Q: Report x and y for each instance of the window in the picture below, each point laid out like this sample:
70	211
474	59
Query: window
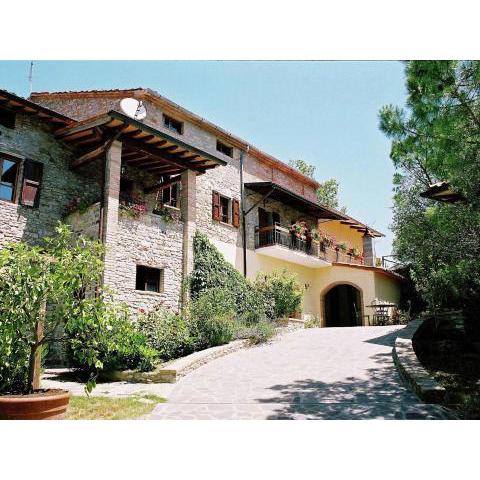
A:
7	118
224	209
8	178
225	149
170	195
173	124
149	279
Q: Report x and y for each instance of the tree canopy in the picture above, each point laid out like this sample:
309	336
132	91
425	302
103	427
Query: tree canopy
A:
436	137
327	193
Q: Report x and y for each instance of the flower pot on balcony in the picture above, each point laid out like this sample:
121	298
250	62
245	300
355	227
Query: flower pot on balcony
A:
48	404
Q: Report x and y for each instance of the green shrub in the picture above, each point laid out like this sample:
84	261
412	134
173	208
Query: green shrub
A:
105	331
251	306
212	271
312	322
260	332
212	318
281	289
167	332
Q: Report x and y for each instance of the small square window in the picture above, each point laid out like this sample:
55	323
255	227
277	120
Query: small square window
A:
225	149
173	124
224	209
7	118
149	279
8	179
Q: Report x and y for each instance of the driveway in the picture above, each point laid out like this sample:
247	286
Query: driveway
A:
328	373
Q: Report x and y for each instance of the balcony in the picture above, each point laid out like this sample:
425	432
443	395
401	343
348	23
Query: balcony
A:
278	242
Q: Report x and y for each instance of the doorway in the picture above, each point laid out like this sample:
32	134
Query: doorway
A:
343	307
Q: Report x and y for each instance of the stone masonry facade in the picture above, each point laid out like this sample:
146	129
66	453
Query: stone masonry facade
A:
33	139
148	240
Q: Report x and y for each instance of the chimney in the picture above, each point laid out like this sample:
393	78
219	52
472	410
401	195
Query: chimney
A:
368	249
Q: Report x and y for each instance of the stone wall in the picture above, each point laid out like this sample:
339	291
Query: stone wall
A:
225	180
152	242
34	139
85	223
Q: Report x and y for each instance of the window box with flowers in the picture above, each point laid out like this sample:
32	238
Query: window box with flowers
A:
132	206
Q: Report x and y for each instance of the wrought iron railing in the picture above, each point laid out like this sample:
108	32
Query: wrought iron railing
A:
278	235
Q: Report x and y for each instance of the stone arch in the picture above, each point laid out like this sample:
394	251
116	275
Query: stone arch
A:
325	291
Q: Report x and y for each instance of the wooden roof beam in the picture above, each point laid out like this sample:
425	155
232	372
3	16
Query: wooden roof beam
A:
89	156
157	152
161	186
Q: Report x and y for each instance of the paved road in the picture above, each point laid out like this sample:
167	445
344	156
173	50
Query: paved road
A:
329	373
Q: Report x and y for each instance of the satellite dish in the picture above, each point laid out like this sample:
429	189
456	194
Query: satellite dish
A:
133	108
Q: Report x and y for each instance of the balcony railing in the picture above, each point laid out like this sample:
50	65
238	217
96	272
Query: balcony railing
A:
278	235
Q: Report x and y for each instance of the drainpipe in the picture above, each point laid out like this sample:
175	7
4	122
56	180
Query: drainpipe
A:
242	207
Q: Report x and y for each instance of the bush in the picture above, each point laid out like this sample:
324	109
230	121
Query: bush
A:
212	271
212	318
261	332
251	305
167	332
106	332
280	289
312	322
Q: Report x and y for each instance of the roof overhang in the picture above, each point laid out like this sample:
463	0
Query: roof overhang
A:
442	192
277	192
182	113
143	146
21	105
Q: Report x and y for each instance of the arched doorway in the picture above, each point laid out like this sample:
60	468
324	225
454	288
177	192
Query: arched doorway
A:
343	306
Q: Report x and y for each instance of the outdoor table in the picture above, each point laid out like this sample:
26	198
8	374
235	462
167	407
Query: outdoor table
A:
380	315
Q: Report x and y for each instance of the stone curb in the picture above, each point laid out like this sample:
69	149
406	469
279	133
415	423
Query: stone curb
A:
172	371
410	368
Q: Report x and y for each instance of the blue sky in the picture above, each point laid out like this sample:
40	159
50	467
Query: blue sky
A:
323	112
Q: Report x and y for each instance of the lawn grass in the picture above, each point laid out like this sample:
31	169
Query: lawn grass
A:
112	408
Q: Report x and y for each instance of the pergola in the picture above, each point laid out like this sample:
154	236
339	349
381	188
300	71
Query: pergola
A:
143	146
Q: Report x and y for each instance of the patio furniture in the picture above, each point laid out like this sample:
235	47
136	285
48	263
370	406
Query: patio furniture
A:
381	314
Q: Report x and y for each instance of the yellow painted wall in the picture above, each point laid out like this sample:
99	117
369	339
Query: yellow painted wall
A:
372	285
386	289
342	232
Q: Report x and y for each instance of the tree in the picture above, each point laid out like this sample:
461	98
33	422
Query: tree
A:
437	137
327	194
41	288
303	167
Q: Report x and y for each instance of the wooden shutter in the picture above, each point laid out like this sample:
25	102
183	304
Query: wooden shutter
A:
32	182
235	213
216	206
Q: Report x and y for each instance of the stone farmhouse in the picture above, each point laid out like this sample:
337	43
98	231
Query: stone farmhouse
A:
145	187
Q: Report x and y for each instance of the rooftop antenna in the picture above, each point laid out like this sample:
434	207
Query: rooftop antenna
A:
30	78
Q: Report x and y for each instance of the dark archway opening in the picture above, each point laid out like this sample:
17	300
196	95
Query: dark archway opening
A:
343	307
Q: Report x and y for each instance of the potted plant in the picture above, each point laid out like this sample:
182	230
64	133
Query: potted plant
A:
41	289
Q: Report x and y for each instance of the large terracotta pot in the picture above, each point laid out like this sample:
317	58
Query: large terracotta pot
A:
41	405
